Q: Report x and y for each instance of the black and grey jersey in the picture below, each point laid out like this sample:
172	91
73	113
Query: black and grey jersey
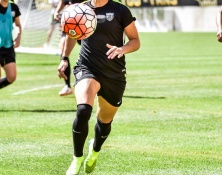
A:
112	18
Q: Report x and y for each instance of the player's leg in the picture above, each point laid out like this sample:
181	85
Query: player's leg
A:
49	35
10	72
7	61
109	99
105	115
85	92
50	31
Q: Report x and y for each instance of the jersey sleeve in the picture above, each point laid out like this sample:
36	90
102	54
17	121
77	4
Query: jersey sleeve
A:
126	16
17	11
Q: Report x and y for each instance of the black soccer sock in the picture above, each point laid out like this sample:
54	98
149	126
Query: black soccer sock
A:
67	73
81	128
4	82
102	131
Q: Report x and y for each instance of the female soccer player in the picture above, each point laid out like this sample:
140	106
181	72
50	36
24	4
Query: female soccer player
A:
100	71
9	13
67	90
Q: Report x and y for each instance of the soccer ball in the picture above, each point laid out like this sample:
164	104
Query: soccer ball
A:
78	21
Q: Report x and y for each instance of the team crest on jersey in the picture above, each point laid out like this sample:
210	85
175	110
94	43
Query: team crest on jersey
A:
109	16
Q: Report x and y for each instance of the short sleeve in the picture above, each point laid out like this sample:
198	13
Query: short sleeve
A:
16	9
126	16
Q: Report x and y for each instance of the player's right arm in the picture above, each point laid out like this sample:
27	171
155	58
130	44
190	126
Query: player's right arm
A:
68	47
219	25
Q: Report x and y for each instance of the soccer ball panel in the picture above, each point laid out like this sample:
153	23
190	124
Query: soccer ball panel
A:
88	24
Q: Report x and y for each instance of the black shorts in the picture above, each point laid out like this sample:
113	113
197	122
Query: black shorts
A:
7	56
111	90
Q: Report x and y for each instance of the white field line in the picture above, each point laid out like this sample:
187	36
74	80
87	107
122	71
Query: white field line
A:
37	89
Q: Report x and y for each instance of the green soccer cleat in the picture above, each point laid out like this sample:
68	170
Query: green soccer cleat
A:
75	166
90	162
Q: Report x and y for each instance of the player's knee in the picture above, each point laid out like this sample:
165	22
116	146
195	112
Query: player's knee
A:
11	79
82	117
84	112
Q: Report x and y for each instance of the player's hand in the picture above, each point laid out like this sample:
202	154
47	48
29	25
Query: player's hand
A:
219	36
17	42
56	16
61	69
114	51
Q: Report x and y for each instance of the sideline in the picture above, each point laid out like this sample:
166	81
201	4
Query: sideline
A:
37	89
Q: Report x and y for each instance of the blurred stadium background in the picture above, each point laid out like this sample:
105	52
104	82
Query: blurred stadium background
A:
152	16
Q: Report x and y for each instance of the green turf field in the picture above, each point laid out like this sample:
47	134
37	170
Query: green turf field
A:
170	122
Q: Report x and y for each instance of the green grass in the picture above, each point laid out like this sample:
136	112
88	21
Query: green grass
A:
170	122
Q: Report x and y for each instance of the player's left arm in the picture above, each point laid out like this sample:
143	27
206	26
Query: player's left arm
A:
132	45
19	34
